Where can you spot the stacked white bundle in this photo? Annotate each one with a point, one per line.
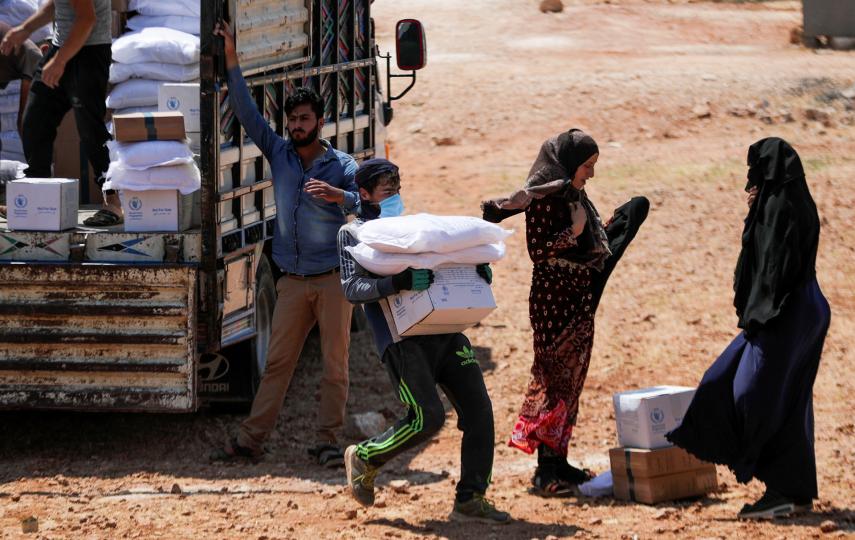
(11, 147)
(145, 59)
(391, 245)
(152, 165)
(14, 12)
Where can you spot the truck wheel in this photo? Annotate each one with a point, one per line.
(265, 301)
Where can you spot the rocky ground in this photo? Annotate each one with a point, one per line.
(674, 92)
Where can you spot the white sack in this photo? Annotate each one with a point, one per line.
(11, 170)
(167, 7)
(10, 141)
(601, 486)
(163, 45)
(389, 264)
(134, 93)
(14, 87)
(9, 103)
(8, 121)
(422, 233)
(184, 178)
(14, 12)
(191, 25)
(153, 70)
(148, 154)
(12, 156)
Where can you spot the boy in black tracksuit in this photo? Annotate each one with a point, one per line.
(416, 365)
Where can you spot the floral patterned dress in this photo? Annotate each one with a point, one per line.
(561, 309)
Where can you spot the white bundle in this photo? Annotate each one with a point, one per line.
(134, 93)
(162, 45)
(185, 178)
(170, 7)
(191, 25)
(8, 121)
(154, 71)
(148, 154)
(11, 170)
(424, 233)
(14, 12)
(14, 87)
(389, 264)
(10, 97)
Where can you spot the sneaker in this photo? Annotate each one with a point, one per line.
(360, 477)
(478, 509)
(773, 505)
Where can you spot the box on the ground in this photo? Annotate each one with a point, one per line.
(42, 204)
(457, 299)
(645, 416)
(154, 126)
(183, 98)
(160, 210)
(668, 487)
(644, 463)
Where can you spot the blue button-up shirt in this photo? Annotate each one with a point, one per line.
(306, 228)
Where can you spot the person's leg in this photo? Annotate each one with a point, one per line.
(292, 321)
(621, 231)
(460, 378)
(86, 84)
(333, 312)
(45, 110)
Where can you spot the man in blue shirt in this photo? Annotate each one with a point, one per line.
(314, 187)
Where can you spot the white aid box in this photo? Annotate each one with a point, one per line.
(457, 299)
(42, 204)
(162, 210)
(183, 98)
(645, 416)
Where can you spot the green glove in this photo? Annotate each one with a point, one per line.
(485, 272)
(412, 280)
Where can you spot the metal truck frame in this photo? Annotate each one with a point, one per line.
(163, 322)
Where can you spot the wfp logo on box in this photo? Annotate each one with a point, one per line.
(173, 103)
(398, 301)
(657, 415)
(21, 201)
(135, 203)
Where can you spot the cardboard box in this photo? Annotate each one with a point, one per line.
(183, 98)
(645, 416)
(162, 210)
(457, 299)
(644, 463)
(668, 487)
(42, 204)
(155, 126)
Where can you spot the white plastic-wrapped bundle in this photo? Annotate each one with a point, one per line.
(191, 25)
(389, 264)
(134, 93)
(10, 97)
(424, 233)
(162, 45)
(148, 154)
(185, 8)
(185, 178)
(154, 71)
(11, 147)
(14, 12)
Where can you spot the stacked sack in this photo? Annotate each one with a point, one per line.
(13, 13)
(11, 147)
(162, 46)
(391, 245)
(151, 161)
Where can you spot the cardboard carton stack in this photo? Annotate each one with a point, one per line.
(153, 169)
(646, 467)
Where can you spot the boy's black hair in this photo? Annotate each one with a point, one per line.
(373, 171)
(303, 96)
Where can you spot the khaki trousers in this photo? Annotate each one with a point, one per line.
(301, 302)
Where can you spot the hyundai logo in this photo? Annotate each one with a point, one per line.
(212, 367)
(20, 201)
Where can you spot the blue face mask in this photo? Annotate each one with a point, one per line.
(391, 206)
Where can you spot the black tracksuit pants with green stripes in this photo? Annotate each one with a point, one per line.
(417, 365)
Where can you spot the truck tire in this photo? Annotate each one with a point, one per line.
(265, 301)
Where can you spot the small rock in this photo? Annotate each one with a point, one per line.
(595, 521)
(819, 115)
(709, 77)
(380, 504)
(551, 6)
(828, 526)
(415, 128)
(702, 111)
(176, 489)
(415, 497)
(849, 93)
(16, 498)
(366, 425)
(400, 486)
(350, 514)
(662, 514)
(30, 525)
(796, 34)
(444, 141)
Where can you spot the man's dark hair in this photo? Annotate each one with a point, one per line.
(304, 96)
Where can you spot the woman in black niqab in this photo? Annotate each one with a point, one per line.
(753, 410)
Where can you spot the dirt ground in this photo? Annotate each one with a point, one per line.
(674, 93)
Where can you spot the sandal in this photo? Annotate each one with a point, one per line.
(572, 475)
(103, 218)
(232, 451)
(546, 483)
(328, 455)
